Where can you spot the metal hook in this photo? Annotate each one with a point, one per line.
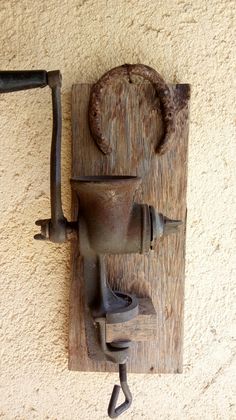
(114, 412)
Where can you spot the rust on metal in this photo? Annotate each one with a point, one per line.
(109, 220)
(162, 90)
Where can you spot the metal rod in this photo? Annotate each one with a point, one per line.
(55, 229)
(114, 411)
(55, 173)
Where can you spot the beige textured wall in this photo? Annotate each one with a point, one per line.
(186, 41)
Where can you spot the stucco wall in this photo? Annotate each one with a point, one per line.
(186, 41)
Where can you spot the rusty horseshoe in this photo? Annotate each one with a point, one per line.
(162, 89)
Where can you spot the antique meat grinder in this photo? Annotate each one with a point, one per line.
(109, 220)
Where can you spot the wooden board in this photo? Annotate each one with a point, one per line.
(141, 328)
(132, 121)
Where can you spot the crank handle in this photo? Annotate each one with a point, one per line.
(57, 228)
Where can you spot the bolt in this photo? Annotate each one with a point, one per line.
(161, 226)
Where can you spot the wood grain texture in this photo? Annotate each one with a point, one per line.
(132, 121)
(141, 328)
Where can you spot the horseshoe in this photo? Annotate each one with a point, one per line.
(162, 90)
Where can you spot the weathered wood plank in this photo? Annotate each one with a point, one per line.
(141, 328)
(132, 121)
